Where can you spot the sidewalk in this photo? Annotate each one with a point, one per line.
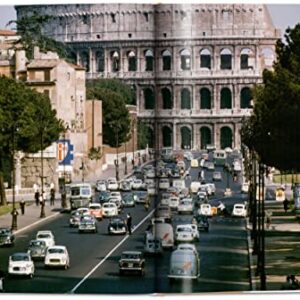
(282, 248)
(32, 212)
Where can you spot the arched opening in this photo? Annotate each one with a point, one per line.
(226, 98)
(185, 99)
(185, 58)
(131, 61)
(166, 57)
(167, 136)
(186, 138)
(84, 61)
(226, 137)
(205, 59)
(226, 59)
(205, 134)
(245, 59)
(149, 98)
(73, 57)
(166, 98)
(115, 61)
(133, 92)
(150, 137)
(205, 98)
(100, 61)
(149, 58)
(246, 97)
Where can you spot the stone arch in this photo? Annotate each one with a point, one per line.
(99, 57)
(84, 60)
(205, 137)
(166, 98)
(246, 56)
(166, 60)
(226, 59)
(149, 98)
(185, 98)
(205, 98)
(205, 59)
(115, 61)
(149, 59)
(150, 137)
(185, 59)
(226, 98)
(226, 137)
(186, 137)
(167, 136)
(132, 61)
(245, 97)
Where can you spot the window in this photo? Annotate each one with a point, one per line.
(205, 59)
(185, 57)
(149, 98)
(146, 16)
(100, 61)
(244, 59)
(205, 99)
(245, 98)
(131, 61)
(84, 61)
(185, 99)
(167, 136)
(115, 61)
(85, 20)
(47, 75)
(149, 60)
(226, 58)
(113, 18)
(225, 98)
(166, 56)
(166, 98)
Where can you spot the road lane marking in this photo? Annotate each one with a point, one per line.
(109, 254)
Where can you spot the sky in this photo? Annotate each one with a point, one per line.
(283, 15)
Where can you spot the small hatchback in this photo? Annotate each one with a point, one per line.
(47, 236)
(21, 264)
(239, 210)
(57, 256)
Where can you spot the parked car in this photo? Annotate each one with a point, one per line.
(103, 197)
(100, 185)
(21, 264)
(239, 210)
(109, 209)
(7, 238)
(217, 176)
(186, 233)
(185, 206)
(128, 200)
(202, 222)
(132, 261)
(37, 249)
(96, 210)
(112, 184)
(57, 256)
(137, 184)
(87, 224)
(47, 236)
(117, 226)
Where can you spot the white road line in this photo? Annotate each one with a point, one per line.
(108, 255)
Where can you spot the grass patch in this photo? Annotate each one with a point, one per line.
(286, 178)
(5, 209)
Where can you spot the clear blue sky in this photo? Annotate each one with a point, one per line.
(283, 15)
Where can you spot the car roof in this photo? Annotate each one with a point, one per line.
(44, 231)
(56, 247)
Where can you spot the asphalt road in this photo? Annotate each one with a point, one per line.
(94, 257)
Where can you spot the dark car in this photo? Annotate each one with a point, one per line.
(132, 261)
(202, 222)
(128, 200)
(103, 197)
(117, 226)
(37, 249)
(142, 196)
(6, 237)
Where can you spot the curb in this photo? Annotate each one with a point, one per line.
(250, 259)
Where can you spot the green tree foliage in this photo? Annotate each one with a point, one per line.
(142, 135)
(116, 120)
(25, 116)
(30, 29)
(273, 130)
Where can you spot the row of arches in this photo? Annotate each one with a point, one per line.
(206, 101)
(186, 137)
(206, 59)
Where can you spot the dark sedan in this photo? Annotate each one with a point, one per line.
(103, 197)
(117, 226)
(6, 237)
(202, 222)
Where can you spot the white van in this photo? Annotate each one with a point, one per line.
(165, 232)
(80, 195)
(184, 264)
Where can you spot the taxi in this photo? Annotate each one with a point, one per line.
(95, 210)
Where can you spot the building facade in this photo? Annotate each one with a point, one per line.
(192, 66)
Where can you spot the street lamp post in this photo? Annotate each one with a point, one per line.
(43, 214)
(125, 170)
(14, 213)
(117, 144)
(133, 124)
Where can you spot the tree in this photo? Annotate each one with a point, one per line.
(142, 135)
(25, 115)
(30, 30)
(116, 120)
(273, 130)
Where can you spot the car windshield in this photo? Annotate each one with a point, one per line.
(20, 257)
(117, 222)
(109, 205)
(97, 207)
(56, 250)
(75, 191)
(37, 243)
(184, 229)
(127, 198)
(85, 191)
(130, 256)
(44, 236)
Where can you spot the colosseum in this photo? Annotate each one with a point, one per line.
(192, 66)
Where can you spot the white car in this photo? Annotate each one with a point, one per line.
(185, 206)
(174, 202)
(109, 209)
(83, 211)
(116, 201)
(237, 167)
(57, 256)
(239, 210)
(112, 184)
(47, 236)
(151, 190)
(187, 233)
(205, 210)
(195, 185)
(150, 173)
(116, 195)
(137, 184)
(212, 187)
(164, 184)
(21, 264)
(100, 185)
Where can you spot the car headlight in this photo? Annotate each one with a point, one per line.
(111, 228)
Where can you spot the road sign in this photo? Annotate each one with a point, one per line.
(65, 152)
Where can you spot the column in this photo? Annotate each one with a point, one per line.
(91, 61)
(77, 57)
(215, 66)
(217, 136)
(174, 136)
(195, 137)
(194, 96)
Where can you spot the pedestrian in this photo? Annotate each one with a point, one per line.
(286, 205)
(129, 223)
(199, 175)
(268, 218)
(52, 196)
(22, 206)
(37, 197)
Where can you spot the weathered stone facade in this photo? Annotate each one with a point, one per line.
(192, 65)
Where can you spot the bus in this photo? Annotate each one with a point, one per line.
(220, 157)
(80, 195)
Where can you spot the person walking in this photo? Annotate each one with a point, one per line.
(129, 223)
(286, 205)
(37, 197)
(22, 206)
(52, 196)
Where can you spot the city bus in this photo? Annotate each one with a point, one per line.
(220, 157)
(80, 195)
